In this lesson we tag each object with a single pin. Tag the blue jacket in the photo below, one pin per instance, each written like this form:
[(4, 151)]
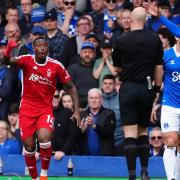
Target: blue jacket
[(10, 146)]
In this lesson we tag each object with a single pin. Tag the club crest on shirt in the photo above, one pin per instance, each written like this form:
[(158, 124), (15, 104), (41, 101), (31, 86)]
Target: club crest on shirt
[(48, 73)]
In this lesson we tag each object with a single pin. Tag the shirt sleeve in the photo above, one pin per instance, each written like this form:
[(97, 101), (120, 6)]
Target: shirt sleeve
[(64, 76), (173, 28), (116, 55), (22, 60)]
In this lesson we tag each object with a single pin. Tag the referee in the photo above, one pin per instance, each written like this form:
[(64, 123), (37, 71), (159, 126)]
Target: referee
[(137, 57)]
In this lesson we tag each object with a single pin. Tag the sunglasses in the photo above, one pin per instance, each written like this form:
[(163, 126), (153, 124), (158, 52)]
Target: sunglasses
[(156, 137), (109, 1), (67, 3), (56, 96)]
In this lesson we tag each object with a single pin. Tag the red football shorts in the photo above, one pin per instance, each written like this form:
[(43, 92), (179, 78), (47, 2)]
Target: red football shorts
[(29, 124)]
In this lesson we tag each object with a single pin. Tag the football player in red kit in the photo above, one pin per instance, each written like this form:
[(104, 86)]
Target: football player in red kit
[(40, 74)]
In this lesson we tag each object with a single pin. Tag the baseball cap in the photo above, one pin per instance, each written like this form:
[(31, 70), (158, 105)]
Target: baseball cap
[(37, 15), (3, 41), (38, 30), (88, 36), (88, 45), (52, 14), (106, 43)]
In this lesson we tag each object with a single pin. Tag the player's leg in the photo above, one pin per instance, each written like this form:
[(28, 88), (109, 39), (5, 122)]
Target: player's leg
[(27, 126), (170, 129), (143, 151), (128, 110), (29, 155), (177, 170), (130, 148), (44, 133), (145, 107)]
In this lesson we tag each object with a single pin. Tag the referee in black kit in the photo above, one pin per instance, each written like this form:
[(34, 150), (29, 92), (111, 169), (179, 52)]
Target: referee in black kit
[(137, 57)]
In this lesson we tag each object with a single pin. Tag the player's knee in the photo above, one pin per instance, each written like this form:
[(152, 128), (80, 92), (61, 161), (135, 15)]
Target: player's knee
[(29, 153), (171, 141), (45, 145), (29, 146)]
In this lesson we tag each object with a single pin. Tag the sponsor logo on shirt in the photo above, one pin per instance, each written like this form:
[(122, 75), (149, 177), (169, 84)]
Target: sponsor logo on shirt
[(48, 73), (35, 67), (39, 79), (176, 76), (172, 62), (166, 125)]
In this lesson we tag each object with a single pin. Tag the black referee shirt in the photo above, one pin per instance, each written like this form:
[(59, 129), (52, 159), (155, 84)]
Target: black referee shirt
[(137, 53)]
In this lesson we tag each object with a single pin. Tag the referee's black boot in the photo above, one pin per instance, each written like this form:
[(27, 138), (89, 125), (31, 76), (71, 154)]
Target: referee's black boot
[(144, 175), (132, 177)]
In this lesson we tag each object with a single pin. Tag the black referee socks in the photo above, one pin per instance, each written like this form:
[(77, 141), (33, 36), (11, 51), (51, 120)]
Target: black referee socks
[(130, 148), (143, 151)]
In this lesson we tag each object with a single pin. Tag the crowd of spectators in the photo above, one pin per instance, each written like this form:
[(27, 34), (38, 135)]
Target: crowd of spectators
[(81, 37)]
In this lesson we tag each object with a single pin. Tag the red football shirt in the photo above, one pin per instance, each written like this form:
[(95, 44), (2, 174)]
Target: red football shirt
[(39, 81)]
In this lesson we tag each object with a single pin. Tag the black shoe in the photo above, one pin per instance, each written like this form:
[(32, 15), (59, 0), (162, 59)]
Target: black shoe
[(144, 176), (132, 177)]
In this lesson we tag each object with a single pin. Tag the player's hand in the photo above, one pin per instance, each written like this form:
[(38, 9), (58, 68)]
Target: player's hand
[(154, 112), (59, 155), (151, 7)]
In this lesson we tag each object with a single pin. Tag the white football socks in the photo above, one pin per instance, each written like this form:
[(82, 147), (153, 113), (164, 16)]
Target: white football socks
[(169, 158), (43, 172), (177, 170)]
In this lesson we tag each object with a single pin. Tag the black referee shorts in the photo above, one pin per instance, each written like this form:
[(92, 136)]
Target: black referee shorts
[(135, 103)]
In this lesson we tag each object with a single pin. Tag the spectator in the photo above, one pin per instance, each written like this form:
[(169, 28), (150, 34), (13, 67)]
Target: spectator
[(105, 22), (74, 43), (12, 15), (104, 65), (55, 37), (123, 23), (3, 43), (69, 18), (6, 83), (64, 138), (8, 145), (97, 127), (37, 16), (124, 4), (67, 101), (94, 39), (25, 23), (111, 101), (97, 7), (156, 142), (82, 73), (36, 32)]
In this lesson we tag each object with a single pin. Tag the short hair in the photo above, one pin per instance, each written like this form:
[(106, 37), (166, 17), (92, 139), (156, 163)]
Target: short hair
[(154, 129), (83, 18), (109, 76), (38, 38), (95, 90), (167, 34)]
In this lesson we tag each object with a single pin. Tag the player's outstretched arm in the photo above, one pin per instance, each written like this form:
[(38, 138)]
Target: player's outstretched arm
[(7, 59), (70, 87), (153, 10)]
